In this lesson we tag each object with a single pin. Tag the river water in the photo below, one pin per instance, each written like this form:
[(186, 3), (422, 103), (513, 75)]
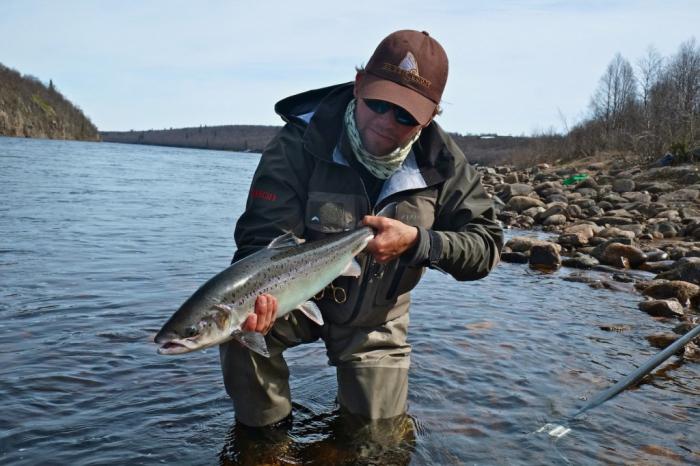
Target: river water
[(100, 243)]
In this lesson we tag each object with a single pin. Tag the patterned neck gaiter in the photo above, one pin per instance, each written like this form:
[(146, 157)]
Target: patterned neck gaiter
[(381, 167)]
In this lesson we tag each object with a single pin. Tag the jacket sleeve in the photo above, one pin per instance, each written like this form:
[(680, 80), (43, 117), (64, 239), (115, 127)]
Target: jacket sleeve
[(277, 196), (466, 239)]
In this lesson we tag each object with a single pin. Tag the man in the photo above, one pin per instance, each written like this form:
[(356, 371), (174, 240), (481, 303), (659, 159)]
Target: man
[(345, 152)]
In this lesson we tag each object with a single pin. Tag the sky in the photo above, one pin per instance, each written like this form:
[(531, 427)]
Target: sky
[(517, 67)]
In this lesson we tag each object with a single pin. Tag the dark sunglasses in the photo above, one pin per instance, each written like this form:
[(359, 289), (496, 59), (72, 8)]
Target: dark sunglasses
[(401, 116)]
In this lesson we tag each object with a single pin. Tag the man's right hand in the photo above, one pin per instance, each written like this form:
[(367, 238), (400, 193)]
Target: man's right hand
[(263, 318)]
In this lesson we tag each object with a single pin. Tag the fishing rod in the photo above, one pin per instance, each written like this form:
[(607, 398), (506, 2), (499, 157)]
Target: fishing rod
[(560, 430)]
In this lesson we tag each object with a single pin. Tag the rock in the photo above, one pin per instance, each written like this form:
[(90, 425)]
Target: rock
[(572, 240), (520, 203), (662, 340), (657, 266), (682, 291), (682, 195), (654, 255), (686, 269), (613, 232), (557, 219), (514, 189), (545, 256), (662, 308), (524, 244), (610, 220), (623, 185), (587, 183), (580, 261), (636, 196), (623, 255), (515, 257), (574, 211), (533, 211), (655, 187), (588, 192), (511, 178)]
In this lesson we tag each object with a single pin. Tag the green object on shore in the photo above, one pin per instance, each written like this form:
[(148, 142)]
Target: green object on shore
[(573, 179)]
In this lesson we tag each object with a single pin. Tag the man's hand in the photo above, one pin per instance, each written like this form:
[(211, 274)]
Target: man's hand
[(392, 238), (263, 318)]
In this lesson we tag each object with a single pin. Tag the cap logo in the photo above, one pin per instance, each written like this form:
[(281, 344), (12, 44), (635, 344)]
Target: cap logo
[(409, 64), (407, 70)]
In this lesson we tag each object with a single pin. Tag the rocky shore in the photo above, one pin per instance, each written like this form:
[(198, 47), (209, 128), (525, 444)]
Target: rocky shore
[(618, 219)]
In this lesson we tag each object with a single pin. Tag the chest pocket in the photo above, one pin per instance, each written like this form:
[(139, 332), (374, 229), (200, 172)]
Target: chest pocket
[(332, 213)]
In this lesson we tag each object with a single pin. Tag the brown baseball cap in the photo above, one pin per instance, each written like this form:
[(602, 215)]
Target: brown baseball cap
[(408, 69)]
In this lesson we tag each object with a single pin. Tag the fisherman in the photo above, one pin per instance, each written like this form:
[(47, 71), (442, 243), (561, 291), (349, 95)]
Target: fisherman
[(346, 152)]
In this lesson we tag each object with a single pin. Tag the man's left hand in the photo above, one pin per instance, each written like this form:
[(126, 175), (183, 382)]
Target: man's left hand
[(392, 238)]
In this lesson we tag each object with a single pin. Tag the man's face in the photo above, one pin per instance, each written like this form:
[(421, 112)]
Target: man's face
[(381, 133)]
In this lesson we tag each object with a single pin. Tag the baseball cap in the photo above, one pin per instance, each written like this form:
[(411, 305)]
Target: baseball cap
[(408, 69)]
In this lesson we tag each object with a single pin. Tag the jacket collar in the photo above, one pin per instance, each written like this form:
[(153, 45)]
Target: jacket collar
[(433, 158)]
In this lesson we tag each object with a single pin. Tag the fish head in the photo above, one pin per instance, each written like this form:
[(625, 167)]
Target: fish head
[(195, 326)]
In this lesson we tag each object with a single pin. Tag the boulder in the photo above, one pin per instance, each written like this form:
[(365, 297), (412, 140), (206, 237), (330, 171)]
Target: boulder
[(663, 308), (623, 185), (686, 269), (520, 203), (524, 244), (545, 256), (554, 220), (580, 261), (623, 255), (684, 292)]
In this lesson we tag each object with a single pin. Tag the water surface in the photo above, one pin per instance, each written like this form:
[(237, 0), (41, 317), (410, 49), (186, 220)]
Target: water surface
[(100, 243)]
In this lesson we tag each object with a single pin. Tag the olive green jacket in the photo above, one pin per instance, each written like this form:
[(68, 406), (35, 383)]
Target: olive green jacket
[(305, 184)]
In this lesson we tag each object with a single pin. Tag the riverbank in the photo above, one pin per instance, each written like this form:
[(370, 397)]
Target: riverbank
[(635, 225)]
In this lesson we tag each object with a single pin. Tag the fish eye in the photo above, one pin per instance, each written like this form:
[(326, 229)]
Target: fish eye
[(191, 331)]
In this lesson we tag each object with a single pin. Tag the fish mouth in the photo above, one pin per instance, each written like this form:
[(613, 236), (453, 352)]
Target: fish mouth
[(178, 346)]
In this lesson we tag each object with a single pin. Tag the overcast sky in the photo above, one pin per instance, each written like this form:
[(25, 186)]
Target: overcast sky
[(516, 66)]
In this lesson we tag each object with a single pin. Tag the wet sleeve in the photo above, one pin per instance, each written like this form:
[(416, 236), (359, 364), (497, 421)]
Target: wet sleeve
[(277, 195)]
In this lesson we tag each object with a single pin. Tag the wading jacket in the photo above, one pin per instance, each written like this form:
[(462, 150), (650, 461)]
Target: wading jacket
[(305, 184)]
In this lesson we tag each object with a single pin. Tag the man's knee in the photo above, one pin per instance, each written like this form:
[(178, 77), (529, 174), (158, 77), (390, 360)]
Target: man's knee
[(373, 392)]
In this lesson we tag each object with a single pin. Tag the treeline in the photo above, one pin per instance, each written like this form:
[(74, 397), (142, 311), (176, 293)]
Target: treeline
[(30, 108), (644, 109), (486, 149), (240, 138)]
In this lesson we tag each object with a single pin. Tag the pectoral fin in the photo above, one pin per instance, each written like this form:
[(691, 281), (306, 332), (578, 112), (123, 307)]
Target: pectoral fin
[(353, 269), (311, 310), (254, 341)]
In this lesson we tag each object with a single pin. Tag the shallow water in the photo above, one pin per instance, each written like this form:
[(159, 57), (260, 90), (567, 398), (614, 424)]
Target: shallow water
[(100, 243)]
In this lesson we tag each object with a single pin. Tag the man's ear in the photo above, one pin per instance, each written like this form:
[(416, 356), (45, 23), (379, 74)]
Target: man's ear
[(358, 78)]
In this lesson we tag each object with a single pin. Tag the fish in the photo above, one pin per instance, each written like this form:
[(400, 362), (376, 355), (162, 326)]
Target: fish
[(289, 268)]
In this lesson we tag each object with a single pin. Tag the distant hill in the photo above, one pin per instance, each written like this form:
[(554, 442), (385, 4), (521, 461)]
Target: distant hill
[(482, 149), (29, 108)]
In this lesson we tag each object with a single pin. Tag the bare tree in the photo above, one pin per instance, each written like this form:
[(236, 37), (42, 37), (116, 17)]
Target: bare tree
[(616, 94)]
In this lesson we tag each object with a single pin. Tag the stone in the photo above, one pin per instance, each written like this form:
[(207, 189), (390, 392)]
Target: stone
[(520, 203), (524, 244), (686, 269), (613, 232), (556, 219), (682, 195), (662, 308), (682, 291), (580, 261), (623, 255), (515, 257), (623, 185), (545, 256)]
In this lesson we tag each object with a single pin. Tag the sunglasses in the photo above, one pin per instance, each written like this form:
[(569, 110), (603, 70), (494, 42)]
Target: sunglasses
[(401, 116)]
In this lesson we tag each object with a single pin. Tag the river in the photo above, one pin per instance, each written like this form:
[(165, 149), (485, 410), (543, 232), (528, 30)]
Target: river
[(100, 243)]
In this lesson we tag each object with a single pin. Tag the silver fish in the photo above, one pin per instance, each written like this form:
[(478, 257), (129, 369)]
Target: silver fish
[(289, 269)]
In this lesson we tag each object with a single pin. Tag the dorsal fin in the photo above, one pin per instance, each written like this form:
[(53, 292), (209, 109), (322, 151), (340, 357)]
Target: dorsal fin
[(286, 240)]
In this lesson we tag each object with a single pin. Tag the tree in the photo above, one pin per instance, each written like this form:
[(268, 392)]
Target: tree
[(616, 94)]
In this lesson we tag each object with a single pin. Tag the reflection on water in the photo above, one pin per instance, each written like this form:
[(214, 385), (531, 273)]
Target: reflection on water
[(329, 438), (100, 243)]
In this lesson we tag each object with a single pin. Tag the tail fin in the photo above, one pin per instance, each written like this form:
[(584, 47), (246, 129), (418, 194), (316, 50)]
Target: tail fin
[(388, 211)]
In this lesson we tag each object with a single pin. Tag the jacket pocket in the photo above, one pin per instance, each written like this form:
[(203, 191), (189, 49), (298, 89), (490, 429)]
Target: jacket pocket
[(332, 212)]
